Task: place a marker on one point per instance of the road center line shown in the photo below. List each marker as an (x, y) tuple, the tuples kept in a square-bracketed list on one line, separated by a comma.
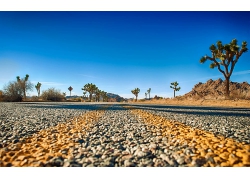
[(49, 143), (209, 150)]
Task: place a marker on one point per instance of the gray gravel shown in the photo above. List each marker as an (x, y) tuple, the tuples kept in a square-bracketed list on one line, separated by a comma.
[(118, 138), (21, 120), (229, 122)]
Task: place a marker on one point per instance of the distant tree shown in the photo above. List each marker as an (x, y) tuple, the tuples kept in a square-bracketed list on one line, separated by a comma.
[(146, 95), (97, 94), (70, 89), (64, 94), (225, 55), (149, 90), (104, 96), (25, 85), (136, 91), (174, 86), (84, 94), (38, 86), (90, 88)]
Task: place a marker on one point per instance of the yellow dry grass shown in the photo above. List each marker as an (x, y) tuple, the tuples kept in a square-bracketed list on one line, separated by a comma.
[(220, 103)]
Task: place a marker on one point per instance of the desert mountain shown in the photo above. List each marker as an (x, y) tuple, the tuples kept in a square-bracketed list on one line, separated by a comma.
[(215, 90), (115, 97)]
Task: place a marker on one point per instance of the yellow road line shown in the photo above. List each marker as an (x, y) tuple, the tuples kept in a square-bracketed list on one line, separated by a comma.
[(46, 144), (220, 150)]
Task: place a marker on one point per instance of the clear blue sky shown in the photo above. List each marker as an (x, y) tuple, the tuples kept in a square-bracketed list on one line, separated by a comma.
[(118, 51)]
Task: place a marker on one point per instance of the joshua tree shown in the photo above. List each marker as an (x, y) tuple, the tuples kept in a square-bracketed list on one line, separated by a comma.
[(38, 86), (174, 86), (24, 84), (98, 94), (84, 94), (104, 96), (70, 89), (146, 95), (136, 92), (149, 90), (225, 56), (90, 88)]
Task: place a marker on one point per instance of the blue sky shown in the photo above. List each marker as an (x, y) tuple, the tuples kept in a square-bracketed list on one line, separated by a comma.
[(118, 51)]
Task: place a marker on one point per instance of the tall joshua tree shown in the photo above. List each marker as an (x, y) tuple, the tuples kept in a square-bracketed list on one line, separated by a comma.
[(90, 88), (70, 89), (38, 86), (174, 86), (24, 84), (149, 90), (136, 92), (146, 95), (104, 96), (84, 94), (225, 56), (98, 94)]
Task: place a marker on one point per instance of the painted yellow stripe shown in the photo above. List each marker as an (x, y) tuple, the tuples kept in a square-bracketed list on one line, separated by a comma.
[(46, 144), (223, 151)]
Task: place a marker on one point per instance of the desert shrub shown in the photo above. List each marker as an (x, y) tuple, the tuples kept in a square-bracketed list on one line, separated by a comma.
[(1, 96), (236, 95), (12, 92), (158, 97), (179, 98), (34, 98), (79, 99), (52, 94), (76, 99)]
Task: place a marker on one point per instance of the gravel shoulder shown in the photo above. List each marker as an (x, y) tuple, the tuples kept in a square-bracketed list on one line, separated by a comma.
[(111, 134)]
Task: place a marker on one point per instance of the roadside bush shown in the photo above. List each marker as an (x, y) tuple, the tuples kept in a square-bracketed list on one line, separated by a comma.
[(52, 94), (79, 99), (34, 98), (179, 98), (12, 92), (158, 97), (76, 99), (1, 95), (236, 95)]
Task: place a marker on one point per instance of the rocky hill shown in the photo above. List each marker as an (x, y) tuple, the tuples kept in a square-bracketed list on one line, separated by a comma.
[(215, 90), (115, 97)]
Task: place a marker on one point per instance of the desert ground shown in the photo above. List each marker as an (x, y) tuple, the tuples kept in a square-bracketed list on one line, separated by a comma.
[(76, 134), (204, 102)]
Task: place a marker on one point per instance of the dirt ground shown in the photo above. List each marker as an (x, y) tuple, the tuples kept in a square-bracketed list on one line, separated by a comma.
[(223, 103)]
